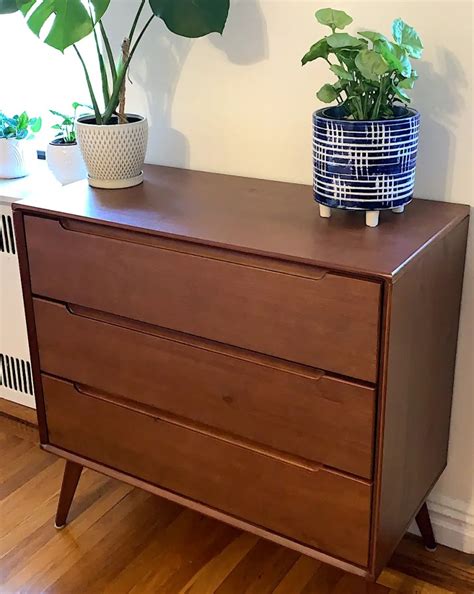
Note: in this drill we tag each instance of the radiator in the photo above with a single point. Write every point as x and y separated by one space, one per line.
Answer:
16 381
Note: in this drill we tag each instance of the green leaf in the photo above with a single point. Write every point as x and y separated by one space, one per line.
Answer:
407 37
401 94
337 40
408 83
395 56
8 6
372 35
57 127
23 121
327 94
336 19
341 72
35 124
71 20
371 64
192 18
318 50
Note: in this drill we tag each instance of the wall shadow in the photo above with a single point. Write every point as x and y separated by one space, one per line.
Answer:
156 68
439 102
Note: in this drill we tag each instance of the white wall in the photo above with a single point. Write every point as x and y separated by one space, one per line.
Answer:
242 104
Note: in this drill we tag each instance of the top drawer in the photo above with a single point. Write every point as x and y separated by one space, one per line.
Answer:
297 313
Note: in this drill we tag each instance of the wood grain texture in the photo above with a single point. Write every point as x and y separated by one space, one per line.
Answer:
421 352
122 541
255 216
328 511
326 321
231 392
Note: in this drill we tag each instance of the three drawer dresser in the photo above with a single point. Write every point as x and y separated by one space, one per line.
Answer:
211 339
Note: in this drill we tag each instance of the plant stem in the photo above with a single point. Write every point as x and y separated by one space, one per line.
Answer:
115 97
108 50
98 117
103 73
135 20
121 112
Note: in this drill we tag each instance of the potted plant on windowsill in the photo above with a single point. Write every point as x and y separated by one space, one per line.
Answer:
17 154
365 146
63 156
113 142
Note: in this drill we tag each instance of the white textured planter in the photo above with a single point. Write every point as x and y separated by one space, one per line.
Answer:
65 162
114 154
16 157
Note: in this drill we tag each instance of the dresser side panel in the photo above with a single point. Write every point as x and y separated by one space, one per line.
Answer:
422 321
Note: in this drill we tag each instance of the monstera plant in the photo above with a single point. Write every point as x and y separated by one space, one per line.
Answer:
63 23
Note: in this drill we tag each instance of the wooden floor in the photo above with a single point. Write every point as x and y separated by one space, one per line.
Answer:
121 539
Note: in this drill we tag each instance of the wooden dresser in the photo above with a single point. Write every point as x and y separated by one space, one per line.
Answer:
213 340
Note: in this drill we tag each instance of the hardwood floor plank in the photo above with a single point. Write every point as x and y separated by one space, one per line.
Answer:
211 575
119 543
446 567
260 571
298 576
43 568
406 584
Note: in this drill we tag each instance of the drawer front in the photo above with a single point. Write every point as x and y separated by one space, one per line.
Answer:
319 507
329 322
290 408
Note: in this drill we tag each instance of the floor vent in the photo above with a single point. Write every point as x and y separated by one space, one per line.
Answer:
7 236
15 374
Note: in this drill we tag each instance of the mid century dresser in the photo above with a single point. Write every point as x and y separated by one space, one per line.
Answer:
211 339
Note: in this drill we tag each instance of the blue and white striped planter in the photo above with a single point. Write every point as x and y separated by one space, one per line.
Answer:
364 165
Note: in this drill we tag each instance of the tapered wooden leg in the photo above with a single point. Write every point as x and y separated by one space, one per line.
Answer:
71 476
424 524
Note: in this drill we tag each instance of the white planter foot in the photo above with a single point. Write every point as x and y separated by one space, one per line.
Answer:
372 218
398 209
324 211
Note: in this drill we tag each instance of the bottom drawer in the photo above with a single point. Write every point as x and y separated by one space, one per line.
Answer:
321 508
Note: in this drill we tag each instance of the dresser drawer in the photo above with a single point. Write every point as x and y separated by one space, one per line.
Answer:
318 507
300 314
290 408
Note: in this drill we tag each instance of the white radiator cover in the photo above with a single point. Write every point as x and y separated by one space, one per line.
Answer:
16 381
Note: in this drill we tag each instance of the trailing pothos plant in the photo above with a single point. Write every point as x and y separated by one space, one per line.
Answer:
66 22
373 72
19 127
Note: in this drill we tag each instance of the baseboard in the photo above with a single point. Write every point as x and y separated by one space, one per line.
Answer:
453 523
18 412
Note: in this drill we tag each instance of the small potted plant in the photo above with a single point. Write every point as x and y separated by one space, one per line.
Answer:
113 142
62 154
365 146
17 154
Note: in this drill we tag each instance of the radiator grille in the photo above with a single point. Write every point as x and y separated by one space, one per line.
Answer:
16 374
7 236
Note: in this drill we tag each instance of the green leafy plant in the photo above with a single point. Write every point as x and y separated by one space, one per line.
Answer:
19 126
373 72
66 22
67 126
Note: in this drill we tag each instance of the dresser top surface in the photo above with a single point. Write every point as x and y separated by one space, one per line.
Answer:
256 216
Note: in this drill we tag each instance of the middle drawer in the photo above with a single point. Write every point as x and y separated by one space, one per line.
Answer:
286 407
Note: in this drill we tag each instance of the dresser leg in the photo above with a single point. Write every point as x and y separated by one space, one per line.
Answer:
424 524
71 476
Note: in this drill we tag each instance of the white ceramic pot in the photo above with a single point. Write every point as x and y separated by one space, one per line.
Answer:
114 154
65 162
16 157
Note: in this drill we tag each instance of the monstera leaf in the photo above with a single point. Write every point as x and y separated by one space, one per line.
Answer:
192 18
71 19
8 6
